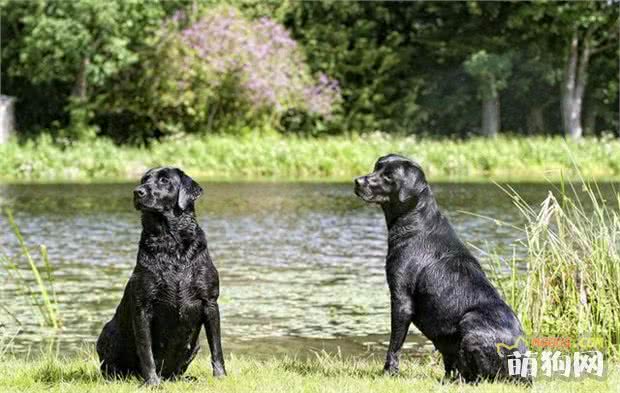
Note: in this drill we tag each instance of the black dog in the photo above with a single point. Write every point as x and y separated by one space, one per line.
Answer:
434 281
172 292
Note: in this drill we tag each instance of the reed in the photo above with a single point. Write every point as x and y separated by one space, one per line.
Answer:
571 283
42 295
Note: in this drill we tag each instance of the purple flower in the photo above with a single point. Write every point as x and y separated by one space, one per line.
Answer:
270 66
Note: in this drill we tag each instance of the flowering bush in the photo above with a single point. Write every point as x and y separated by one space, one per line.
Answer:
228 69
221 72
271 69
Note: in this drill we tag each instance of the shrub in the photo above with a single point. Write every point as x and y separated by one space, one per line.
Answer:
225 72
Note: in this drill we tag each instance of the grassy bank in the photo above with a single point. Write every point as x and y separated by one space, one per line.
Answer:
325 374
295 158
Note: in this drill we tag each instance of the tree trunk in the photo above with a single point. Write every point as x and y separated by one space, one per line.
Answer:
490 115
574 85
589 121
535 120
568 84
7 118
80 89
78 105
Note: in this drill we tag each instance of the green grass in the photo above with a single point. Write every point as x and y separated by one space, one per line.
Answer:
274 157
571 285
324 374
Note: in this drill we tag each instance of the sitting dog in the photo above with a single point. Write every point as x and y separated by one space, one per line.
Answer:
434 281
172 291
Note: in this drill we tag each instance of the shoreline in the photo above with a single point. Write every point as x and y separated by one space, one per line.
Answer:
329 159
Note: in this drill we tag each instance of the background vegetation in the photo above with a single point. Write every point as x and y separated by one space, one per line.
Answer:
138 71
336 158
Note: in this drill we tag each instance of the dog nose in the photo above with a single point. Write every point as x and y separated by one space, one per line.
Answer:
360 180
139 192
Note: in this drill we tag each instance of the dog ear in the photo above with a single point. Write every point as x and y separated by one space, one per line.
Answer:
414 183
189 191
406 190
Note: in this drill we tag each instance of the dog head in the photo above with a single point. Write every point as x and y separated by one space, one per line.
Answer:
396 179
166 189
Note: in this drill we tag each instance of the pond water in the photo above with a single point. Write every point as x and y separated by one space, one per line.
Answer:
301 265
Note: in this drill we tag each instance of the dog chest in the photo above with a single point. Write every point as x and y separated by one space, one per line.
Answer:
178 295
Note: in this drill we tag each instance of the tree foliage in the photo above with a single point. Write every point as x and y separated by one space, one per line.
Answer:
491 70
117 68
77 46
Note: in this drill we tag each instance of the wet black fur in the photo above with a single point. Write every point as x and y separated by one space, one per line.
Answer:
435 282
172 291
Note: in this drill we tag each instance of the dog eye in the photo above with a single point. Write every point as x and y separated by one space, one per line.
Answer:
164 180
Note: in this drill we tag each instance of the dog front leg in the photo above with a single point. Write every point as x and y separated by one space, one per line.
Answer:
144 347
401 315
212 328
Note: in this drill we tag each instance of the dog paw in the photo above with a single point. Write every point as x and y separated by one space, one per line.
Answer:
219 372
153 381
390 371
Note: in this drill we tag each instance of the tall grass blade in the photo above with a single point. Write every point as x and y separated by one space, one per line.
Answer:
41 299
572 283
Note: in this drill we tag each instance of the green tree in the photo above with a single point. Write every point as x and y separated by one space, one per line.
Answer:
491 71
593 28
80 44
366 46
449 36
577 32
533 90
